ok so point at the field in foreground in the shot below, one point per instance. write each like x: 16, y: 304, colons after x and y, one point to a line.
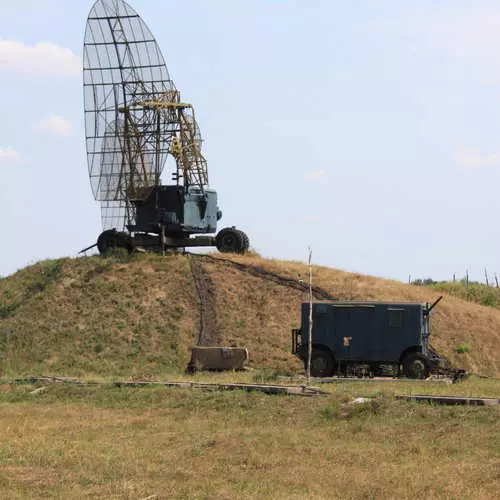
x: 77, y: 442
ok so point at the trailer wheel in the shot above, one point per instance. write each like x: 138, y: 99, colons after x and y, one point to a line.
x: 416, y: 365
x: 322, y: 363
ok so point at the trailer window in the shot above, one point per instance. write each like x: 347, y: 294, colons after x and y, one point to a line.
x: 396, y: 318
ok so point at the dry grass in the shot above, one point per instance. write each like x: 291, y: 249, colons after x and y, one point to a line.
x: 96, y: 317
x: 128, y: 443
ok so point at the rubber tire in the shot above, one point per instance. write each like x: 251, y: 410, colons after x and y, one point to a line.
x: 416, y: 366
x: 244, y: 240
x: 229, y: 240
x: 322, y: 363
x: 111, y: 238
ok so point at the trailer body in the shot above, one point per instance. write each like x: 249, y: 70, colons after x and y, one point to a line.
x: 367, y: 337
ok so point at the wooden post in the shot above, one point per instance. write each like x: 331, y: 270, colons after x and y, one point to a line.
x: 486, y: 276
x: 409, y: 279
x: 467, y: 279
x: 309, y: 344
x: 454, y: 278
x: 496, y: 279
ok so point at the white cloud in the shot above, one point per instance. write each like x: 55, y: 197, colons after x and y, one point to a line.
x: 315, y: 175
x: 43, y: 59
x: 468, y: 158
x: 9, y: 156
x: 55, y: 125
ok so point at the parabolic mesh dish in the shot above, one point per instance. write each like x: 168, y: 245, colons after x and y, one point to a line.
x: 126, y: 145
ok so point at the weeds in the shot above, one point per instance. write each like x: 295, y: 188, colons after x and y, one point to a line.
x: 47, y: 273
x: 266, y: 375
x: 463, y: 348
x: 119, y: 255
x: 7, y: 309
x: 331, y: 412
x: 472, y: 292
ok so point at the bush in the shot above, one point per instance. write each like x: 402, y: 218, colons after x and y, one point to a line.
x: 425, y: 282
x: 46, y: 273
x: 489, y: 300
x: 118, y: 254
x: 7, y: 310
x: 331, y: 412
x: 463, y: 348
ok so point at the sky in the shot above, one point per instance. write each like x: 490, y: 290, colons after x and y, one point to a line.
x: 365, y: 130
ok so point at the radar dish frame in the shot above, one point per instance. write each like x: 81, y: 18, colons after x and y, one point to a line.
x: 134, y: 116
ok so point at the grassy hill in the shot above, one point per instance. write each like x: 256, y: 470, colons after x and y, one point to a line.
x: 479, y: 293
x: 137, y: 317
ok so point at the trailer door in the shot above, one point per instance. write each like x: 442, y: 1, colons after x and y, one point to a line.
x: 354, y: 331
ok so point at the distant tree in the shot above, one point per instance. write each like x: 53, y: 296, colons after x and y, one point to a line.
x: 423, y: 282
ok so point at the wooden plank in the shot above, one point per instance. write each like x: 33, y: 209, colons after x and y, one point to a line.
x: 299, y: 390
x: 292, y: 390
x: 333, y: 380
x: 450, y: 400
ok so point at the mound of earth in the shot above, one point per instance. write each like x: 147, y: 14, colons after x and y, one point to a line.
x: 137, y: 317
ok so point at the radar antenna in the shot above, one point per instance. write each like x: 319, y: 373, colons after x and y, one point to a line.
x: 134, y: 119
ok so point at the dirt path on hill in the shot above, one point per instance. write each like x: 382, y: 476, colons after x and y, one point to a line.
x: 318, y: 292
x: 208, y: 334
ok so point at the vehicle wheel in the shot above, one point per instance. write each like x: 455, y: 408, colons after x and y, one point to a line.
x: 111, y: 238
x: 191, y: 368
x: 416, y: 365
x: 322, y: 364
x: 229, y: 240
x: 244, y: 240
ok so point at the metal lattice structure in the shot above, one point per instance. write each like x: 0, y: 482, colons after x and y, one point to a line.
x: 134, y: 116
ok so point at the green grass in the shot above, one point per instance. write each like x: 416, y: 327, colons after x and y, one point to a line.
x: 78, y: 442
x: 474, y: 292
x: 463, y: 348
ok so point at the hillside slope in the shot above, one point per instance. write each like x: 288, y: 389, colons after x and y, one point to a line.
x: 103, y: 317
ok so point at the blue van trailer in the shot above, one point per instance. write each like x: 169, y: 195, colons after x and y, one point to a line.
x: 368, y: 338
